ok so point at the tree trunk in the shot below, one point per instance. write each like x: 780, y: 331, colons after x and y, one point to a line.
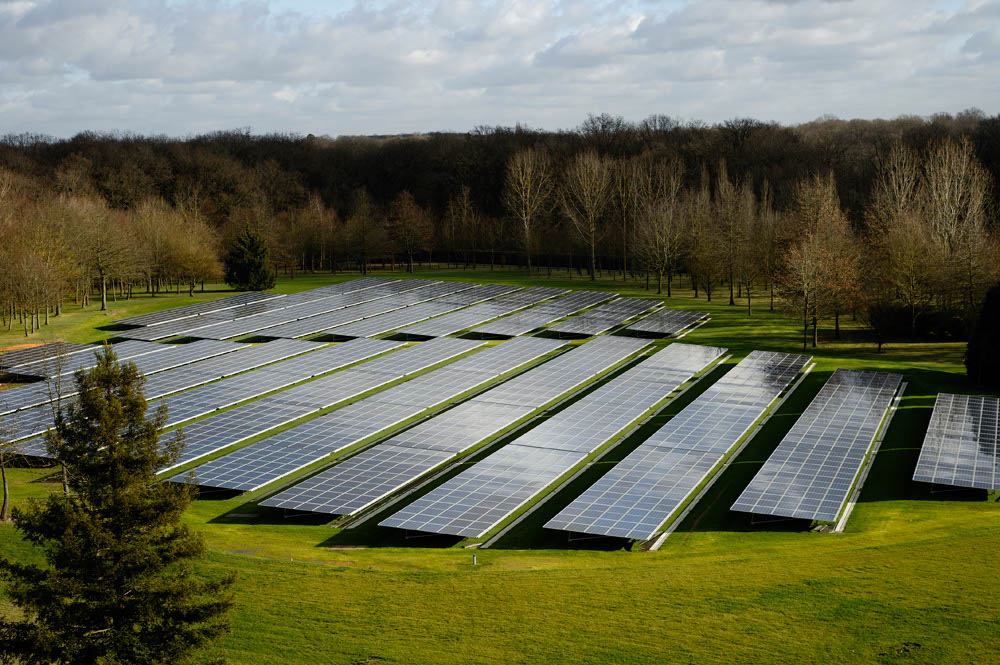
x: 749, y: 311
x: 732, y: 300
x: 104, y: 293
x: 836, y: 325
x: 593, y: 263
x: 659, y: 283
x: 805, y: 324
x: 4, y: 510
x: 815, y: 331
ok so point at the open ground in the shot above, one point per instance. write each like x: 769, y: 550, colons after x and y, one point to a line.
x: 913, y: 578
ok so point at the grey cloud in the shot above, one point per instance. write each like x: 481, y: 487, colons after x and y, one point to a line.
x: 68, y: 65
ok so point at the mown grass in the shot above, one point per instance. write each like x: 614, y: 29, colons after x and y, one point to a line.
x: 913, y: 578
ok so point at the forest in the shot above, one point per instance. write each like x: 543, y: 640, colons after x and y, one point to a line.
x: 891, y: 222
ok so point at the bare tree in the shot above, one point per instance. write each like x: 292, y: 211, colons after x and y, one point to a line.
x: 364, y: 233
x: 409, y: 227
x: 661, y: 227
x: 627, y: 178
x: 527, y: 194
x: 462, y: 225
x: 584, y: 197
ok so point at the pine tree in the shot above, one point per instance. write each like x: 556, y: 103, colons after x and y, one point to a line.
x: 248, y: 263
x: 117, y: 586
x: 982, y: 356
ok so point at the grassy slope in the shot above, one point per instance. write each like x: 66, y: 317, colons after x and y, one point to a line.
x: 912, y: 568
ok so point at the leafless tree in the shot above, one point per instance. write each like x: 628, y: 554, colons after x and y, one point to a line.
x: 409, y: 227
x: 660, y: 229
x: 584, y: 198
x: 528, y: 193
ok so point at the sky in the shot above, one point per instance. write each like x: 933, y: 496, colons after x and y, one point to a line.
x: 339, y: 67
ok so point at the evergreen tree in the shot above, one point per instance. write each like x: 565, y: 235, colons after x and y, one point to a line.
x: 248, y: 263
x: 117, y: 586
x: 982, y: 356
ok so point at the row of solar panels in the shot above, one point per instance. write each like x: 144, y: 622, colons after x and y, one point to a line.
x: 372, y: 306
x: 378, y: 472
x: 733, y: 405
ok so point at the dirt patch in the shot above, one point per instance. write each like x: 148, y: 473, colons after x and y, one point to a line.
x: 18, y: 347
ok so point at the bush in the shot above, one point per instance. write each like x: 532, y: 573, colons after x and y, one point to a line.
x: 982, y: 356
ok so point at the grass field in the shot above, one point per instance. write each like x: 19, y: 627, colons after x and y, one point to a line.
x: 913, y: 579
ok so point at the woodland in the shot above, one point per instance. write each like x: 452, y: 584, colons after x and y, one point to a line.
x: 891, y: 222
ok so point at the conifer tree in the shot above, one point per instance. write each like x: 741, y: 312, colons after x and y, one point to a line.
x: 982, y: 356
x: 117, y: 585
x: 248, y: 263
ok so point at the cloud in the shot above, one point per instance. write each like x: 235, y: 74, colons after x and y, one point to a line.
x: 393, y: 66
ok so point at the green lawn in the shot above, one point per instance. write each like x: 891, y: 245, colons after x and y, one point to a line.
x: 913, y: 579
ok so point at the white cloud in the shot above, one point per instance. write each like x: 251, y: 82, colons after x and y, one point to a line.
x: 395, y: 66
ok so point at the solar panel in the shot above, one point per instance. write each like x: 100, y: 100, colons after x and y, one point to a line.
x: 478, y: 294
x: 9, y: 360
x: 527, y: 320
x: 472, y: 316
x: 181, y: 327
x: 478, y: 499
x: 226, y: 429
x: 39, y: 393
x: 640, y: 493
x: 247, y: 304
x: 255, y: 466
x: 605, y: 317
x: 206, y: 399
x: 382, y: 323
x: 473, y: 501
x: 454, y: 431
x: 34, y: 421
x: 66, y: 365
x: 962, y: 444
x: 295, y: 312
x: 156, y: 318
x: 396, y: 296
x: 813, y: 469
x: 666, y: 322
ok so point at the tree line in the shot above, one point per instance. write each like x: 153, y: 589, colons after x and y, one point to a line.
x: 893, y: 222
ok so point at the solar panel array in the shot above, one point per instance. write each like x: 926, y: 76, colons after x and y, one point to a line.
x: 11, y: 360
x: 382, y: 323
x: 424, y: 291
x: 304, y: 310
x: 605, y: 317
x: 666, y: 322
x: 197, y: 309
x: 640, y: 493
x: 231, y: 427
x: 270, y: 459
x: 249, y: 385
x: 35, y: 421
x: 256, y: 316
x: 525, y: 321
x: 473, y: 316
x: 35, y: 394
x: 65, y: 365
x: 813, y: 469
x: 479, y: 294
x: 477, y: 500
x: 962, y: 444
x: 363, y: 479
